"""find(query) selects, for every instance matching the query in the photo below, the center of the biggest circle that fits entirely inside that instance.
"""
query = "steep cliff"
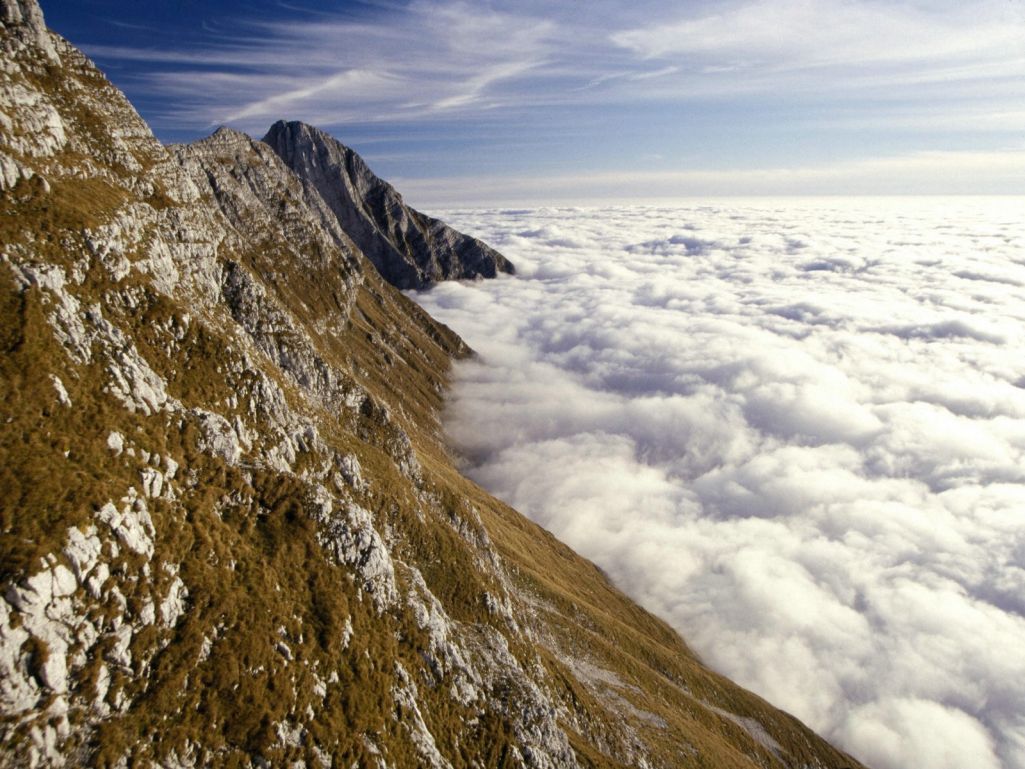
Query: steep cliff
(410, 249)
(230, 534)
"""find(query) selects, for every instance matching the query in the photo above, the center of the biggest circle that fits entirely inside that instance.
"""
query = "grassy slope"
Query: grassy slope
(247, 548)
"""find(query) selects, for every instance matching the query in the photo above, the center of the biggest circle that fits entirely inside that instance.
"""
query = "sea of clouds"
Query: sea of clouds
(793, 429)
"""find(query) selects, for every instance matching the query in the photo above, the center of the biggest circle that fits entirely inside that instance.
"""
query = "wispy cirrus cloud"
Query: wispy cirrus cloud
(799, 34)
(836, 81)
(461, 55)
(428, 59)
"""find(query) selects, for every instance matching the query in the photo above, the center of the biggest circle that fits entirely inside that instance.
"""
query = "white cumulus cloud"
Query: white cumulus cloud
(795, 430)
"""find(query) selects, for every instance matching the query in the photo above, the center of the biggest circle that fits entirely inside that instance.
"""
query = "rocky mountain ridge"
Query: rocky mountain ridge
(410, 249)
(230, 532)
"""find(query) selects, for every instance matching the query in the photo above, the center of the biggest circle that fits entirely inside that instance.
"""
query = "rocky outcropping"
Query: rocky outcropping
(410, 249)
(230, 533)
(24, 19)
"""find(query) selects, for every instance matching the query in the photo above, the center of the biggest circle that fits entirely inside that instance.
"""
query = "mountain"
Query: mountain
(410, 249)
(230, 531)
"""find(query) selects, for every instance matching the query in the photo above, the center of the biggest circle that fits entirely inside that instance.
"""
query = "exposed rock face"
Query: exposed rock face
(24, 19)
(230, 534)
(409, 249)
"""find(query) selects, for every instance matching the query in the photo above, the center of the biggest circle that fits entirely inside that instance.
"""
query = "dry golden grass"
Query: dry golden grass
(246, 544)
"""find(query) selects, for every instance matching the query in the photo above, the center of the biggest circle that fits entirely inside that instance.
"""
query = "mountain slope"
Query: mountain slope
(230, 534)
(410, 249)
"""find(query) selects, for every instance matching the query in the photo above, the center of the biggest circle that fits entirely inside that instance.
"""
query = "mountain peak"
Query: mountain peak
(295, 134)
(225, 133)
(408, 248)
(298, 127)
(15, 13)
(24, 18)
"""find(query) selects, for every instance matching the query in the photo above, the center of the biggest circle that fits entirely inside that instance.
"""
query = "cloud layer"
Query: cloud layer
(794, 430)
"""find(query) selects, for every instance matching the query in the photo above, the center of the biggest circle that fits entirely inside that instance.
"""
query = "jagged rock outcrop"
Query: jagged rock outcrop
(230, 534)
(24, 19)
(410, 249)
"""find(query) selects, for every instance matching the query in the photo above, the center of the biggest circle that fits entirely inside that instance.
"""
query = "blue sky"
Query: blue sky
(462, 102)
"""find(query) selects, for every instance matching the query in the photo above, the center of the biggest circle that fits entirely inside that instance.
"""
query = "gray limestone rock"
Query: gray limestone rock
(242, 540)
(25, 19)
(409, 249)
